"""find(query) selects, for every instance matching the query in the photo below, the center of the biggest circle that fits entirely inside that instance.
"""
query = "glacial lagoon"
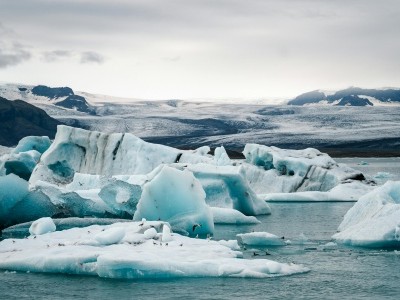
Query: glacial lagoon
(336, 271)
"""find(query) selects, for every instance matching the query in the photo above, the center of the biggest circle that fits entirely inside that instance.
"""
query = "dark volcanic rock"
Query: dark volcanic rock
(384, 95)
(52, 93)
(354, 101)
(306, 98)
(19, 119)
(75, 102)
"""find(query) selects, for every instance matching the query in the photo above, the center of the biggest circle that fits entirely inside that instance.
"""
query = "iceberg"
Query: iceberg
(22, 159)
(29, 143)
(94, 251)
(260, 239)
(12, 190)
(96, 153)
(176, 197)
(373, 221)
(227, 187)
(307, 173)
(21, 164)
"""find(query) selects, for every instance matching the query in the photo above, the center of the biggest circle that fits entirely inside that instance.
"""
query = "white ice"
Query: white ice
(374, 221)
(42, 226)
(231, 216)
(260, 239)
(176, 197)
(80, 251)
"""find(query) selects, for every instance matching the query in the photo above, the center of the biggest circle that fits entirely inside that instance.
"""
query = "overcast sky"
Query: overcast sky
(159, 49)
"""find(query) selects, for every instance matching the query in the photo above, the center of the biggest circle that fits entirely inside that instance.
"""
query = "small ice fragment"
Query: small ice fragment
(150, 233)
(166, 234)
(42, 226)
(110, 236)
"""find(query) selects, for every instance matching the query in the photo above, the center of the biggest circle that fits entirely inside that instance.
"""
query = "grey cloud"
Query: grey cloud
(12, 52)
(91, 57)
(12, 57)
(56, 55)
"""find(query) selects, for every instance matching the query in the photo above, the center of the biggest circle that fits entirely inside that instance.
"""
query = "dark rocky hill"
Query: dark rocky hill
(352, 96)
(19, 119)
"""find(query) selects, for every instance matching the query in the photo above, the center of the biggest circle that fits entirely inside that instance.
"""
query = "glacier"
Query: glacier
(374, 220)
(124, 250)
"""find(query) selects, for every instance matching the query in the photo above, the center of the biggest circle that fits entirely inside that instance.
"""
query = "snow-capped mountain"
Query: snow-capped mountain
(352, 96)
(63, 97)
(189, 124)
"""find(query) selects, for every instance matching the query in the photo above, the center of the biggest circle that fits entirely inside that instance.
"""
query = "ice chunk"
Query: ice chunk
(221, 158)
(348, 192)
(12, 190)
(271, 170)
(166, 234)
(96, 153)
(21, 164)
(110, 236)
(37, 143)
(176, 197)
(121, 196)
(31, 207)
(42, 226)
(231, 216)
(76, 251)
(232, 244)
(374, 220)
(150, 233)
(227, 187)
(260, 239)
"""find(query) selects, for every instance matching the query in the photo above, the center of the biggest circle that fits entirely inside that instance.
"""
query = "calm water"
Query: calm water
(348, 273)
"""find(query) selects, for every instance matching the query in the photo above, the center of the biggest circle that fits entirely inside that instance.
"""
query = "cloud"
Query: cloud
(12, 57)
(56, 55)
(11, 52)
(91, 57)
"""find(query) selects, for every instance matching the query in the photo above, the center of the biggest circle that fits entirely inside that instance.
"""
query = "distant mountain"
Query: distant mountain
(59, 96)
(352, 96)
(19, 119)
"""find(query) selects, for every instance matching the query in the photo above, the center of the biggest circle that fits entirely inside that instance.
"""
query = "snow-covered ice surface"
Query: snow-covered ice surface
(129, 250)
(374, 221)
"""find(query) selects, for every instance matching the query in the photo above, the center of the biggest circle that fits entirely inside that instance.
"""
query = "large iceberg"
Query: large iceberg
(374, 221)
(176, 197)
(92, 152)
(274, 173)
(124, 250)
(227, 187)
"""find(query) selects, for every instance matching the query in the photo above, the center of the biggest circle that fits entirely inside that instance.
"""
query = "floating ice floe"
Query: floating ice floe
(260, 239)
(374, 221)
(231, 216)
(301, 175)
(94, 251)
